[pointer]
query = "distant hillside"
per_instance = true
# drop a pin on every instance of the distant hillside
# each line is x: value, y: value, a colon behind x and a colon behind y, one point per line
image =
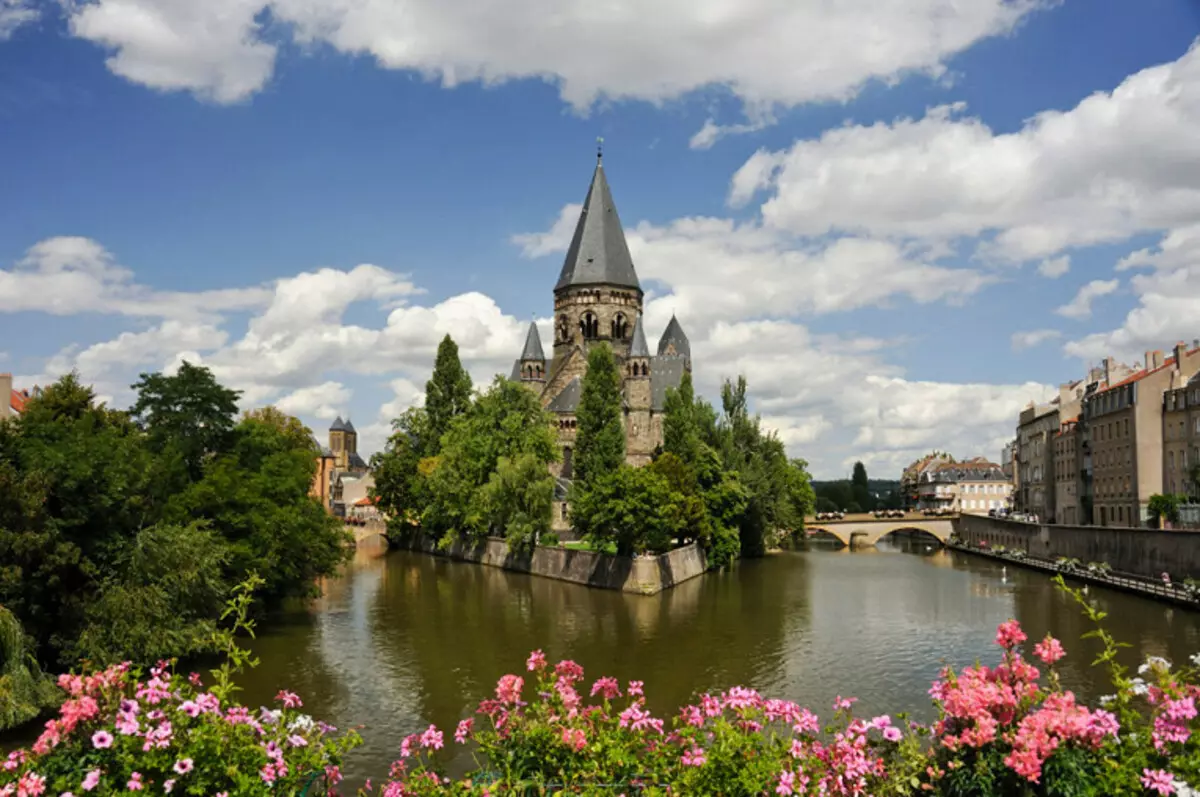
x: 879, y: 486
x: 840, y: 494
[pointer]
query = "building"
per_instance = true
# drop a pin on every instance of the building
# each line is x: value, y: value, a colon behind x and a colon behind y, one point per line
x: 343, y: 443
x: 1036, y: 427
x: 598, y: 299
x: 1124, y: 436
x: 1181, y: 438
x: 323, y: 478
x: 342, y: 476
x: 1067, y: 469
x: 912, y: 476
x: 16, y: 399
x: 974, y: 486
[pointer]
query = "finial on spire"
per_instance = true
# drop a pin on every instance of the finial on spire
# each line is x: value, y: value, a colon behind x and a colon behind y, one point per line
x: 599, y: 148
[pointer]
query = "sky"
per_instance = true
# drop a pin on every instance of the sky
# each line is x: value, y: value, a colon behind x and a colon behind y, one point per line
x: 901, y: 220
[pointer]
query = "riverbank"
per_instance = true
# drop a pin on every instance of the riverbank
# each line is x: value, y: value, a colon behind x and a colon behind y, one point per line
x: 641, y: 575
x: 1125, y: 582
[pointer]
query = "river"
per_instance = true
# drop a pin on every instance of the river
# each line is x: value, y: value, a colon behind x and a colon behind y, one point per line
x: 404, y: 639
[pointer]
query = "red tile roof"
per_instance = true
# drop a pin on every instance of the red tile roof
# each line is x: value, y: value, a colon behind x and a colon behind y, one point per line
x: 17, y: 402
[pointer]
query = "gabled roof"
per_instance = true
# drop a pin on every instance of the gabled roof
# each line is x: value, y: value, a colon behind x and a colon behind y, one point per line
x: 665, y: 372
x: 567, y: 399
x: 533, y: 345
x: 598, y: 253
x: 338, y: 425
x: 17, y: 401
x: 639, y: 348
x: 673, y: 336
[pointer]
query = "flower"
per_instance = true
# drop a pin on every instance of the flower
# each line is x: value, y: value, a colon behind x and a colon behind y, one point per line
x: 1158, y: 780
x: 508, y: 689
x: 693, y: 757
x: 608, y: 688
x: 843, y: 703
x: 432, y: 738
x: 463, y: 730
x: 31, y: 784
x: 1049, y: 650
x: 168, y: 785
x: 635, y: 688
x: 289, y: 699
x: 1009, y: 635
x: 102, y: 740
x: 786, y: 781
x: 183, y: 766
x: 135, y: 782
x: 296, y: 740
x: 536, y: 661
x: 91, y: 780
x: 892, y: 734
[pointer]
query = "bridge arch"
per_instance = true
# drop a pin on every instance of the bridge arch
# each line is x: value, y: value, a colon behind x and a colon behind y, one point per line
x: 922, y: 533
x: 828, y: 532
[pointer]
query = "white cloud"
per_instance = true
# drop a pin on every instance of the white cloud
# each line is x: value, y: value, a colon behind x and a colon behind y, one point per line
x: 1055, y: 267
x: 555, y: 239
x: 764, y: 51
x: 69, y: 274
x: 1081, y: 305
x: 14, y: 14
x: 1116, y: 164
x: 1033, y: 337
x: 325, y: 401
x: 711, y: 132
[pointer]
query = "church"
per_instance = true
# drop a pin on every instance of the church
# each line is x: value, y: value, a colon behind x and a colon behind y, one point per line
x: 598, y: 299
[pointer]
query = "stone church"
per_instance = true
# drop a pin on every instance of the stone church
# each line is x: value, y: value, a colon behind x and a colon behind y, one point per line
x: 598, y: 299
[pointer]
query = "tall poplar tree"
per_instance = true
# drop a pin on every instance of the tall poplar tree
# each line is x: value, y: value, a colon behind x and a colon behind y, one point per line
x: 447, y: 393
x: 600, y: 436
x: 681, y: 433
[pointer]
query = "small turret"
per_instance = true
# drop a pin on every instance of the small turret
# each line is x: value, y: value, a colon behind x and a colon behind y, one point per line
x: 532, y: 365
x: 638, y: 362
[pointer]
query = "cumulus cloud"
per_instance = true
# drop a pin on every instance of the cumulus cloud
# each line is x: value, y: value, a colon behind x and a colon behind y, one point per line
x: 325, y: 401
x: 764, y: 51
x: 1118, y: 163
x: 555, y: 239
x: 14, y: 14
x: 1033, y: 337
x: 1055, y: 267
x: 1081, y: 305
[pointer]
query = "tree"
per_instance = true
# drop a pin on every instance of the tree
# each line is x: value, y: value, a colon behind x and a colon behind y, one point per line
x: 600, y: 436
x: 519, y: 500
x: 447, y: 393
x: 505, y: 422
x: 1164, y: 508
x: 25, y: 691
x: 399, y: 487
x: 861, y: 488
x: 633, y: 508
x: 189, y: 413
x: 681, y: 433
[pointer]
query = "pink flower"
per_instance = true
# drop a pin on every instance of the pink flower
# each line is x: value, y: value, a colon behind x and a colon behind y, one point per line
x: 189, y: 707
x: 536, y: 661
x: 1158, y: 780
x: 786, y: 781
x: 289, y: 699
x: 608, y: 688
x: 1009, y: 635
x: 843, y: 703
x: 892, y: 734
x: 296, y: 740
x: 694, y: 757
x: 574, y: 737
x: 463, y: 729
x: 91, y: 780
x: 135, y: 782
x: 508, y: 690
x: 183, y: 766
x: 1049, y: 650
x: 102, y: 740
x: 168, y: 785
x: 432, y: 738
x: 568, y: 671
x: 635, y: 688
x: 31, y: 784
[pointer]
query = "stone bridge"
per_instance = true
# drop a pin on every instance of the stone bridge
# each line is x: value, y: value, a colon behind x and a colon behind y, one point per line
x: 372, y: 528
x: 865, y: 531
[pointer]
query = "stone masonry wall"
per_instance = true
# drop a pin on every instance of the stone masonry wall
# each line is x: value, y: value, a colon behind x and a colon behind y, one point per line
x: 643, y: 575
x: 1140, y: 551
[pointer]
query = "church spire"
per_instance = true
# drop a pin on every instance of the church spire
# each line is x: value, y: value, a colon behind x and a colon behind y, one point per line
x: 598, y: 253
x: 533, y: 346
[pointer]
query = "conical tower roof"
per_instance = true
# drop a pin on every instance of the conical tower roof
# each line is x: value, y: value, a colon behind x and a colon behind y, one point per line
x: 673, y: 336
x: 338, y: 425
x: 350, y: 427
x: 533, y: 345
x: 598, y: 252
x: 638, y: 347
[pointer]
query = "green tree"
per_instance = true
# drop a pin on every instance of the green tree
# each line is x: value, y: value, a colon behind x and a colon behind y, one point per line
x: 681, y: 432
x: 631, y: 508
x: 447, y: 393
x: 600, y: 435
x: 861, y: 488
x: 25, y: 691
x: 519, y: 500
x: 188, y: 413
x: 1164, y: 508
x: 506, y: 421
x: 691, y: 513
x: 399, y: 486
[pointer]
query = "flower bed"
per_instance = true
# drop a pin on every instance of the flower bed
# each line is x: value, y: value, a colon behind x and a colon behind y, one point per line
x: 1010, y: 729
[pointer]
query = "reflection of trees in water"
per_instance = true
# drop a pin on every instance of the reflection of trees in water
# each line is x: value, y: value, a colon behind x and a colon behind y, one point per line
x: 466, y: 625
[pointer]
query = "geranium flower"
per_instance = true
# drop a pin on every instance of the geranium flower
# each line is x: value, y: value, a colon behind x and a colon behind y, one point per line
x: 183, y: 766
x: 102, y: 740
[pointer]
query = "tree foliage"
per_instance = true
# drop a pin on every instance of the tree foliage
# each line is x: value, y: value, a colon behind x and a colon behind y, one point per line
x: 519, y: 500
x: 447, y: 393
x: 25, y: 691
x: 188, y: 413
x: 399, y: 489
x: 600, y: 435
x: 632, y: 508
x: 1165, y: 507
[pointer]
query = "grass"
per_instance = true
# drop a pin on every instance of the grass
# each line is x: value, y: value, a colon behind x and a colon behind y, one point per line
x: 610, y: 548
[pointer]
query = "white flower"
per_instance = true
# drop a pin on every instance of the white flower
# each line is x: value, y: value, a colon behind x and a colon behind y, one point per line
x: 1138, y: 687
x: 302, y: 722
x: 1106, y: 699
x: 270, y: 717
x: 1155, y: 662
x: 1196, y: 659
x: 1182, y: 789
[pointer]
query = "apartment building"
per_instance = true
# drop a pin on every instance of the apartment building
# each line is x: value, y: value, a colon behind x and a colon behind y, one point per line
x: 1123, y: 444
x: 1181, y: 438
x: 1034, y: 465
x: 912, y: 476
x: 1067, y: 474
x: 974, y: 486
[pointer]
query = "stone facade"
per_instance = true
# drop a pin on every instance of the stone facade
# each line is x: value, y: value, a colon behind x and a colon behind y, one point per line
x: 598, y: 300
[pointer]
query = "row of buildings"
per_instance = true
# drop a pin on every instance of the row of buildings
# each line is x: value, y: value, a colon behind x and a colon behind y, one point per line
x: 940, y: 483
x: 1095, y: 453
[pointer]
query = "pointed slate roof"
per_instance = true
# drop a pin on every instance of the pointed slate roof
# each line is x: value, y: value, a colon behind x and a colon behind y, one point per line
x: 598, y: 252
x: 639, y: 348
x: 533, y: 345
x: 568, y: 399
x: 338, y: 425
x: 673, y: 336
x: 349, y: 427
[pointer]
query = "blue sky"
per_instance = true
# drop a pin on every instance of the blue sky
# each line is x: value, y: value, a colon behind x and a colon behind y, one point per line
x: 901, y: 221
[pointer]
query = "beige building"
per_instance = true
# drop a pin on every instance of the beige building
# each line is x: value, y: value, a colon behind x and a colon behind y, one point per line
x: 598, y: 299
x: 1067, y: 474
x: 1125, y: 436
x: 1034, y: 466
x: 974, y: 486
x: 915, y: 474
x: 12, y: 402
x: 1181, y: 438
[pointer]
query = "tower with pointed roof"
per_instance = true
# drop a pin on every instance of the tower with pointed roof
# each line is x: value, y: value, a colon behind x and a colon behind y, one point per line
x: 598, y: 299
x: 343, y: 443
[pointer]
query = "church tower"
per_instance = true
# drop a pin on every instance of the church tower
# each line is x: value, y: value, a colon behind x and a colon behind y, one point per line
x: 597, y: 296
x: 531, y: 368
x: 639, y: 433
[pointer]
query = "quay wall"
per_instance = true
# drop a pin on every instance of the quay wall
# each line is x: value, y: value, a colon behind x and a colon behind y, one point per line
x: 644, y: 575
x: 1138, y: 551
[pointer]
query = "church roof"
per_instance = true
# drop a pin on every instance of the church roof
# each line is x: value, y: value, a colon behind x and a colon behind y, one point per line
x: 665, y: 371
x: 639, y: 348
x: 673, y: 336
x: 349, y: 427
x: 533, y: 345
x: 338, y: 425
x: 568, y: 398
x: 598, y: 252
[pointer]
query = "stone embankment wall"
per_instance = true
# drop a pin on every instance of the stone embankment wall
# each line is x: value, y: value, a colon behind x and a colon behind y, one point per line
x: 1142, y: 552
x: 646, y: 575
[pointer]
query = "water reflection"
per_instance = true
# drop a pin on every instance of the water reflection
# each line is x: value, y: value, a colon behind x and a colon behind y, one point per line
x: 404, y: 639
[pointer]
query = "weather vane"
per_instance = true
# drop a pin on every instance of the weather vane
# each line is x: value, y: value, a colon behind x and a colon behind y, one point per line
x: 599, y: 147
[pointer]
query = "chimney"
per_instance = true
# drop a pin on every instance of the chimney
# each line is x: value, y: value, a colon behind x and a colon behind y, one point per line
x: 5, y: 395
x: 1109, y: 363
x: 1180, y: 353
x: 1153, y: 359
